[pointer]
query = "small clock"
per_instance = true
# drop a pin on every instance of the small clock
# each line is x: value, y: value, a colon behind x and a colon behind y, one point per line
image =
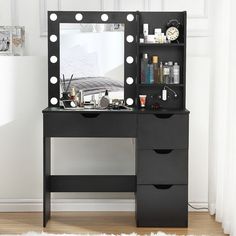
x: 173, y: 30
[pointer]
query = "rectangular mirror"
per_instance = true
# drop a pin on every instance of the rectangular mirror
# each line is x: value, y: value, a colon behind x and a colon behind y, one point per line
x: 94, y: 54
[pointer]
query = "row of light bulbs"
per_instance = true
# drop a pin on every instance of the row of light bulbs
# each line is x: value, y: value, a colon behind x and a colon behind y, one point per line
x: 104, y: 17
x: 79, y: 17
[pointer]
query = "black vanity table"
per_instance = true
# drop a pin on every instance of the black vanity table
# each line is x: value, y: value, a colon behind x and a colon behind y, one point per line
x: 161, y: 181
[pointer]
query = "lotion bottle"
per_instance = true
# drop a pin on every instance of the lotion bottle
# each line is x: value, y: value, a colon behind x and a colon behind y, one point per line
x: 155, y: 69
x: 176, y: 73
x: 144, y: 69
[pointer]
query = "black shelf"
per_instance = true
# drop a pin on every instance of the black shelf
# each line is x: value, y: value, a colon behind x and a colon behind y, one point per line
x: 160, y: 85
x: 161, y: 44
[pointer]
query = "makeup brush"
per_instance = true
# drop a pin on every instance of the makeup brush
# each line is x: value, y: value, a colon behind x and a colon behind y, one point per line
x: 68, y: 86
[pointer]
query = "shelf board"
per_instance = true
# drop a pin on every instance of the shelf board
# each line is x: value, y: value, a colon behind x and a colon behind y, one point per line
x: 161, y: 44
x: 160, y: 85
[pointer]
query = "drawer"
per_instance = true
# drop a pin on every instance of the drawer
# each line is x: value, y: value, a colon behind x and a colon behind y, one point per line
x: 90, y: 124
x: 163, y: 131
x: 162, y: 205
x: 162, y: 166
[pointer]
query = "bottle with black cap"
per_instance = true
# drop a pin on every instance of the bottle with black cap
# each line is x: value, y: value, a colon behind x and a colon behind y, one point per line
x: 104, y: 102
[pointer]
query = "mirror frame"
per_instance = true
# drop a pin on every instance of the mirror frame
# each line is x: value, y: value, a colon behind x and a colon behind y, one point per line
x: 130, y: 49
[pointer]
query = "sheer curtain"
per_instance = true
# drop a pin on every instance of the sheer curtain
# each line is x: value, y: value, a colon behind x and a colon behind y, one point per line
x: 222, y: 143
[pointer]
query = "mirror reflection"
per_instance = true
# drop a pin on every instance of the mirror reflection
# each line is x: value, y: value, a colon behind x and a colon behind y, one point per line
x: 92, y: 60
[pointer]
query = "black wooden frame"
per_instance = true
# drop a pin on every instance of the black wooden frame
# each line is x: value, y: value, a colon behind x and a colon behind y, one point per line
x: 130, y: 70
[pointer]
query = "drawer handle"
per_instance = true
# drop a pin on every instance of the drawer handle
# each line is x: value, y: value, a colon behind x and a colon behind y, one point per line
x: 90, y: 115
x: 163, y: 151
x: 163, y: 116
x: 161, y: 186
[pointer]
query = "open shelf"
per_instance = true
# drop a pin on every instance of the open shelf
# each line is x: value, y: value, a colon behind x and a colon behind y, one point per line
x: 160, y: 85
x: 161, y: 44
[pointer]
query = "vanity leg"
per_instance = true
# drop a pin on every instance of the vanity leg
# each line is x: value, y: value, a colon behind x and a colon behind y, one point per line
x: 46, y: 180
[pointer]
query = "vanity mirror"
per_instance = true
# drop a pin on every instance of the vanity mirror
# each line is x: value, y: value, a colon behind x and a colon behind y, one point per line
x: 94, y: 54
x: 91, y: 53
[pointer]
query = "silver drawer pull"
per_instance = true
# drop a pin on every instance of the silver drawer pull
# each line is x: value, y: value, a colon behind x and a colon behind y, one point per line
x: 163, y: 116
x: 163, y: 151
x: 163, y: 186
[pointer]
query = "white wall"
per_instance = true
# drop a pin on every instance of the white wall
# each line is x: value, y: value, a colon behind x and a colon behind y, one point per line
x: 24, y: 94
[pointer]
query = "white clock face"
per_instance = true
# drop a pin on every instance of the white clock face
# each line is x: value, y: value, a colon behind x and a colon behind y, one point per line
x: 172, y: 33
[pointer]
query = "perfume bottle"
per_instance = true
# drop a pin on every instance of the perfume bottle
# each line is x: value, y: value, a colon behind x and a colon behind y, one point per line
x: 166, y: 73
x: 144, y: 69
x: 155, y: 68
x: 161, y: 77
x: 176, y: 73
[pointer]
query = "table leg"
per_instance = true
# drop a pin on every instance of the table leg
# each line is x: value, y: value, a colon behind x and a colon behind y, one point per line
x: 46, y: 180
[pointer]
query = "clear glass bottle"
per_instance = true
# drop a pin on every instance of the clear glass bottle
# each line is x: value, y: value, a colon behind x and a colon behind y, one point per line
x: 176, y: 70
x: 171, y: 77
x: 155, y: 69
x: 161, y: 77
x: 144, y: 68
x: 166, y: 73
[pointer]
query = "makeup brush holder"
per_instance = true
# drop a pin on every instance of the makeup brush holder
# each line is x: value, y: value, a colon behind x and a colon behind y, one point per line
x: 65, y: 96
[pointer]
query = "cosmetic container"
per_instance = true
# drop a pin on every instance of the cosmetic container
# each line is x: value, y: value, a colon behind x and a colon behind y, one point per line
x: 155, y: 69
x: 176, y: 73
x: 145, y: 32
x: 171, y: 76
x: 144, y: 69
x: 145, y: 29
x: 142, y: 99
x: 150, y: 74
x: 151, y: 38
x: 166, y: 73
x: 162, y: 38
x: 161, y: 77
x: 157, y: 33
x: 141, y: 40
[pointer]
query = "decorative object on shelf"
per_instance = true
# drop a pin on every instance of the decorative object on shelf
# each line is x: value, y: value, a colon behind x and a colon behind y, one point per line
x: 5, y: 41
x: 142, y: 99
x: 164, y: 94
x: 12, y: 40
x: 173, y: 30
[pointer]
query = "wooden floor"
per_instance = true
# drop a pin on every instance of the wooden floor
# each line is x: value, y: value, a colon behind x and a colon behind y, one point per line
x: 100, y: 222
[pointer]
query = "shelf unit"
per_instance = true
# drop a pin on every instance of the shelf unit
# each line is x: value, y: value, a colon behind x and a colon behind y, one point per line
x: 162, y: 143
x: 175, y: 52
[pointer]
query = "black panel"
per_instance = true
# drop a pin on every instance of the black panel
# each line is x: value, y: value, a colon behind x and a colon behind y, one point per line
x: 162, y: 205
x: 82, y: 124
x: 160, y: 166
x: 90, y: 183
x: 162, y: 131
x: 46, y: 176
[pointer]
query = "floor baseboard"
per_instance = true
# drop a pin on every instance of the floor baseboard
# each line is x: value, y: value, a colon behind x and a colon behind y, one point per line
x: 35, y: 205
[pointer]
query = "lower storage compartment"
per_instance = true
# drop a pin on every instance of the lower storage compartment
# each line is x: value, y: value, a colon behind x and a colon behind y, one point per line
x: 162, y: 205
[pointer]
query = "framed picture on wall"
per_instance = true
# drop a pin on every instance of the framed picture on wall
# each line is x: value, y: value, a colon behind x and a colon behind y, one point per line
x: 12, y: 40
x: 5, y: 41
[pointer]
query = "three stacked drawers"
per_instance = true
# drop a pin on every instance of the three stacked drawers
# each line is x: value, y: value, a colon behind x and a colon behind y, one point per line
x: 162, y: 170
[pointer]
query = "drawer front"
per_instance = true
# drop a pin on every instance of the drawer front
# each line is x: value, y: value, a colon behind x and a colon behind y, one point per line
x: 162, y: 205
x: 77, y: 124
x: 163, y: 131
x: 162, y: 166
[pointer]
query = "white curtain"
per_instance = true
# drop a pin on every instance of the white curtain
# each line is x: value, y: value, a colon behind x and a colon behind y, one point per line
x: 222, y: 149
